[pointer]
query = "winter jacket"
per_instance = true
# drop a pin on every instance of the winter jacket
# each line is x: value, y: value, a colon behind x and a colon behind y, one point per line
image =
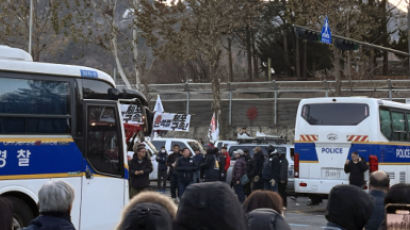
x: 51, y: 221
x: 271, y: 168
x: 185, y: 169
x: 211, y: 206
x: 349, y: 207
x: 162, y: 161
x: 141, y: 180
x: 172, y: 159
x: 284, y: 169
x: 211, y: 170
x: 257, y: 165
x: 148, y: 210
x: 356, y: 171
x: 239, y: 169
x: 378, y: 212
x: 198, y: 159
x: 266, y: 219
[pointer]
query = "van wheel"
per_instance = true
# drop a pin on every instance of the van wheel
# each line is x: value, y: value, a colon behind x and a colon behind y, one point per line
x: 22, y: 213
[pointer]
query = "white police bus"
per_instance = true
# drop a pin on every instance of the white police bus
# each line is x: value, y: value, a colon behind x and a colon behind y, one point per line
x: 61, y: 122
x: 329, y: 129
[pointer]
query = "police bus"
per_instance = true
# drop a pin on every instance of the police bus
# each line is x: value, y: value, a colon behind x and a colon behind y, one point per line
x: 61, y: 122
x: 329, y: 129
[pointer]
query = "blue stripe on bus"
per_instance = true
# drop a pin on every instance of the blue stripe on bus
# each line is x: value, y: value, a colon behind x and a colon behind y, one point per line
x: 385, y: 153
x: 44, y: 158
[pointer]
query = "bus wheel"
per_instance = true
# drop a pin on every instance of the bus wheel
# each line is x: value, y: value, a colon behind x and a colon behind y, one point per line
x: 22, y: 213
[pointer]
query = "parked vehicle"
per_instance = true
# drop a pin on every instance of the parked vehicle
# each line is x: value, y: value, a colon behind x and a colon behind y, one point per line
x: 191, y: 144
x: 227, y: 143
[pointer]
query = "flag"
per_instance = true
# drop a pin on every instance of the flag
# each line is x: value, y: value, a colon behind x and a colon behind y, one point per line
x: 213, y: 133
x: 158, y: 106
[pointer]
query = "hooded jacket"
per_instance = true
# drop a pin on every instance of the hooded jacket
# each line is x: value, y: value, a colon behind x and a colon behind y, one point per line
x: 349, y: 207
x: 266, y: 219
x: 51, y: 221
x: 162, y: 160
x: 271, y: 168
x: 148, y: 210
x: 210, y: 206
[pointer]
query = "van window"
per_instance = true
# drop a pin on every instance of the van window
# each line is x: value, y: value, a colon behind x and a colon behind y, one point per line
x: 180, y: 144
x: 158, y: 144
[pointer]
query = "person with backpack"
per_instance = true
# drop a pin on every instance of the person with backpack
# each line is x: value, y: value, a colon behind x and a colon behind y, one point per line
x: 239, y: 171
x: 210, y: 167
x: 271, y: 170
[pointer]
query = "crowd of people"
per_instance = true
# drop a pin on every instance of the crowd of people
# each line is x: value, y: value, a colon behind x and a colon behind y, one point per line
x: 183, y: 168
x: 250, y: 202
x: 214, y: 206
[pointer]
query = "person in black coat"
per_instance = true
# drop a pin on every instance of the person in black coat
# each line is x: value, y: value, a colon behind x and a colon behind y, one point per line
x: 210, y: 166
x: 171, y: 163
x: 140, y: 168
x: 255, y: 171
x: 378, y: 186
x: 6, y: 213
x: 356, y: 167
x: 198, y: 159
x: 162, y: 168
x: 271, y: 170
x: 185, y: 168
x: 283, y: 177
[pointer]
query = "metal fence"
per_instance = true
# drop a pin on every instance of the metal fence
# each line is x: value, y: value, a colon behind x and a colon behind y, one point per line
x: 275, y: 102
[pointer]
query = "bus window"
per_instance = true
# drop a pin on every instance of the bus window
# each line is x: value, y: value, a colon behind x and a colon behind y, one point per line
x: 385, y: 123
x: 103, y: 151
x: 335, y: 113
x: 34, y: 106
x: 399, y: 126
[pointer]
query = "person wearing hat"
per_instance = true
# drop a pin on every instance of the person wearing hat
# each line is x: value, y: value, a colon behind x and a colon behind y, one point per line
x: 148, y: 210
x: 140, y: 168
x: 271, y: 170
x: 239, y: 170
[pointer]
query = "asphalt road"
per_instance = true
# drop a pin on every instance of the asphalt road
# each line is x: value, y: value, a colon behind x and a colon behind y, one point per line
x: 299, y: 214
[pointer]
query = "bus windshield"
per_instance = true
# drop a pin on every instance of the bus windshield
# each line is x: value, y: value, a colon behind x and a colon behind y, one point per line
x: 335, y: 113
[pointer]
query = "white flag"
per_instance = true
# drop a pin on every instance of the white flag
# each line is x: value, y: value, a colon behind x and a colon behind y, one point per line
x: 213, y: 133
x: 158, y: 106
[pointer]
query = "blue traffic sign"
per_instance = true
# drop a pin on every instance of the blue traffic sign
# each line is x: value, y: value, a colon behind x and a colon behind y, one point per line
x: 326, y: 33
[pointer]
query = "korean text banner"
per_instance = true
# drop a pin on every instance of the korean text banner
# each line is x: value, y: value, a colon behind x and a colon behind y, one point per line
x: 171, y: 122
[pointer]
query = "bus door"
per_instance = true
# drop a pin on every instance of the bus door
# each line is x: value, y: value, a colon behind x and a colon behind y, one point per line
x: 104, y: 183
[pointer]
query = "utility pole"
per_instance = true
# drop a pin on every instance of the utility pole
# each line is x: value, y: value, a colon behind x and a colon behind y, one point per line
x: 30, y: 26
x: 408, y: 30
